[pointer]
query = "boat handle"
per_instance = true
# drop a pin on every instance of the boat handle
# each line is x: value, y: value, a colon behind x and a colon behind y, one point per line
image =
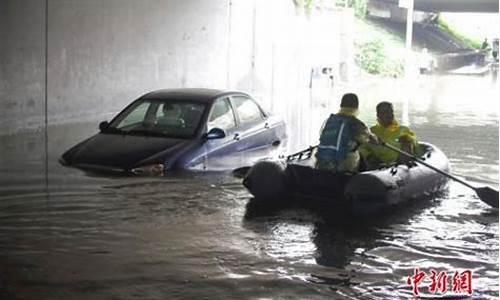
x: 393, y: 171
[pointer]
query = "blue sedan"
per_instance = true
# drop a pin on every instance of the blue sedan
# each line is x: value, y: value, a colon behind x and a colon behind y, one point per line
x: 201, y: 129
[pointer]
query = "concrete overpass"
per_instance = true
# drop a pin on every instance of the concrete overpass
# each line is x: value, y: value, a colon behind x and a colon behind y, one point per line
x: 477, y: 6
x: 451, y: 52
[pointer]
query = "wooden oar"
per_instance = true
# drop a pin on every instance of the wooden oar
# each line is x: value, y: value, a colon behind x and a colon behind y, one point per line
x: 486, y: 194
x: 242, y: 171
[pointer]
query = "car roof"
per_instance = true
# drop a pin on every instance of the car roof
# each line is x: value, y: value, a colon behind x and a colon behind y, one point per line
x: 197, y: 94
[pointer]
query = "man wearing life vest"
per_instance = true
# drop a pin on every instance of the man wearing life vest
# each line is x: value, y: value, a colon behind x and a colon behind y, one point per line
x: 389, y: 131
x: 340, y: 137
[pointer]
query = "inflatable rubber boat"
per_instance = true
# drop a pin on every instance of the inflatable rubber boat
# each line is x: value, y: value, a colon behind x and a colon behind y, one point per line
x: 368, y: 192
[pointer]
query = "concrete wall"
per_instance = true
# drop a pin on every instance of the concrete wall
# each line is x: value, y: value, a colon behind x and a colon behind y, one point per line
x: 392, y: 11
x: 102, y: 54
x: 22, y: 64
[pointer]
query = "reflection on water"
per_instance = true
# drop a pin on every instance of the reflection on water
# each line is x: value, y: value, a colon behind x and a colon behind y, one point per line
x: 65, y: 234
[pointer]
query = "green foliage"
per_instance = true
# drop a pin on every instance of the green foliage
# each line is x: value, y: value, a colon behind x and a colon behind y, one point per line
x: 307, y: 4
x: 473, y: 43
x: 360, y: 7
x: 373, y: 58
x: 393, y: 68
x: 370, y: 56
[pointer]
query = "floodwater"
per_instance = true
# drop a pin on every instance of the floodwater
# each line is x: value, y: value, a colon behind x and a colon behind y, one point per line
x: 66, y: 234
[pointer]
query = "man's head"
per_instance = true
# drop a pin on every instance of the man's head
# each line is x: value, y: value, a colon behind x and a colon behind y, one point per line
x: 385, y: 113
x: 349, y: 100
x: 171, y: 110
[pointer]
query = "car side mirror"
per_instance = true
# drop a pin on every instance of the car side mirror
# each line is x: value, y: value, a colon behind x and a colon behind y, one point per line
x: 103, y: 125
x: 216, y: 133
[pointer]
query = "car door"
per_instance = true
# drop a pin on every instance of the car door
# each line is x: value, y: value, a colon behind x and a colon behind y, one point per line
x: 255, y: 137
x: 222, y: 153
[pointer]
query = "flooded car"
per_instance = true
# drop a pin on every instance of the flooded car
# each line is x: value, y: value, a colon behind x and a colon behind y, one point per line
x: 201, y: 129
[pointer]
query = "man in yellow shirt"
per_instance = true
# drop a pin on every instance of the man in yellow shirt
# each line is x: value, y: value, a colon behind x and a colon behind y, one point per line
x: 389, y: 131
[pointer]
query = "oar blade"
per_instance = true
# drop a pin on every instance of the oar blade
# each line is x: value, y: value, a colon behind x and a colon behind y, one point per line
x: 488, y: 196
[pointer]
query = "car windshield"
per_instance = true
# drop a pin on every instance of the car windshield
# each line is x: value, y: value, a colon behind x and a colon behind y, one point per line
x: 153, y: 117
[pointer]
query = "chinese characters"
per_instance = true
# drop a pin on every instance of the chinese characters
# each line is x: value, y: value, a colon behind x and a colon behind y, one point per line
x: 460, y: 282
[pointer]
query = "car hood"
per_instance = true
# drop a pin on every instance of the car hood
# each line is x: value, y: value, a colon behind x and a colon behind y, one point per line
x: 120, y: 151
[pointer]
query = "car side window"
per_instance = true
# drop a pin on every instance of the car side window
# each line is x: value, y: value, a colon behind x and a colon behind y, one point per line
x: 247, y: 110
x: 222, y: 115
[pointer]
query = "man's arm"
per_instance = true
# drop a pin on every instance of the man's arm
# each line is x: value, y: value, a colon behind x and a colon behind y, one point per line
x: 408, y: 136
x: 408, y: 141
x: 364, y: 135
